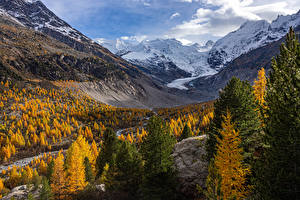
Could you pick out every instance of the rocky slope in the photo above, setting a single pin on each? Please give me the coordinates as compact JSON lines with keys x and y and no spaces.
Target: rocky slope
{"x":28,"y":51}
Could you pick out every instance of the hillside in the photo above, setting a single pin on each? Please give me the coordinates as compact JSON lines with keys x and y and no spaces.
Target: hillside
{"x":38,"y":56}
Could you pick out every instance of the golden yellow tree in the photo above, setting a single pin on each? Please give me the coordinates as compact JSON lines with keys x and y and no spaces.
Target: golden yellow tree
{"x":260,"y":87}
{"x":58,"y":178}
{"x":228,"y":162}
{"x":76,"y":171}
{"x":1,"y":187}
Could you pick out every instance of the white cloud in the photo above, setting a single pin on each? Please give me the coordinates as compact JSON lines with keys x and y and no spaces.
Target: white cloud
{"x":175,"y":15}
{"x":219,"y":17}
{"x":138,"y":38}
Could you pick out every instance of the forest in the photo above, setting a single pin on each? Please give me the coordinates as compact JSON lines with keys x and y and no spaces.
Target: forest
{"x":253,"y":145}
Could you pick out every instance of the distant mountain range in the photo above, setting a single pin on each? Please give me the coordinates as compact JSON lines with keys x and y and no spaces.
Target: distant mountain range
{"x":155,"y":57}
{"x":163,"y":59}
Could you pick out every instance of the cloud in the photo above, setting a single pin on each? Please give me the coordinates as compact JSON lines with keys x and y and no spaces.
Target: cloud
{"x":185,"y":20}
{"x":175,"y":15}
{"x":219,"y":17}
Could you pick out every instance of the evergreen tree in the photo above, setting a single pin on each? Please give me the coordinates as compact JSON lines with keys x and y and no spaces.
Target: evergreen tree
{"x":128,"y":170}
{"x":237,"y":98}
{"x":156,"y":149}
{"x":50,"y":170}
{"x":280,"y":168}
{"x":186,"y":133}
{"x":213,"y":183}
{"x":45,"y":193}
{"x":108,"y":151}
{"x":89,"y":176}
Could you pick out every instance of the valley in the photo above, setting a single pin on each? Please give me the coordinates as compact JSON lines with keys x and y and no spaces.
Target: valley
{"x":134,"y":118}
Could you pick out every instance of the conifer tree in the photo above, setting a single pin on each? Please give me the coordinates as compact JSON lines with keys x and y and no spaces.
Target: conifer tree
{"x":108,"y":151}
{"x":128,"y":170}
{"x":186,"y":133}
{"x":45,"y":193}
{"x":89,"y":176}
{"x":156,"y":150}
{"x":1,"y":187}
{"x":50,"y":170}
{"x":76,"y":170}
{"x":228,"y":162}
{"x":213,"y":183}
{"x":237,"y":98}
{"x":280,"y":168}
{"x":259,"y":88}
{"x":58,"y":179}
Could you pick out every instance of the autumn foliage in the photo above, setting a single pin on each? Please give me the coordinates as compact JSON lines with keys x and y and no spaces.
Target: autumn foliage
{"x":229,"y":163}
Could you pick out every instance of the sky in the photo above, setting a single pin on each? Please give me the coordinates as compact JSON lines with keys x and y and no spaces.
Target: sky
{"x":189,"y":21}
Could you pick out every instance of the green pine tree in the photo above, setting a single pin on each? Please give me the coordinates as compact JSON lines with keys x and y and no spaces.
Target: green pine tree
{"x":213,"y":183}
{"x":186,"y":133}
{"x":280,"y":174}
{"x":159,"y":175}
{"x":50,"y":170}
{"x":237,"y":98}
{"x":89,"y":176}
{"x":129,"y":166}
{"x":45,"y":192}
{"x":108,"y":151}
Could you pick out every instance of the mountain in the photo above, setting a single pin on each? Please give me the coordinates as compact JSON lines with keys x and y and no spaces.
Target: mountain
{"x":37,"y":45}
{"x":244,"y":67}
{"x":174,"y":64}
{"x":164,"y":59}
{"x":251,"y":35}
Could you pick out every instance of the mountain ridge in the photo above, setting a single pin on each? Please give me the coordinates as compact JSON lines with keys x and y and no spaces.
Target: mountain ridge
{"x":87,"y":61}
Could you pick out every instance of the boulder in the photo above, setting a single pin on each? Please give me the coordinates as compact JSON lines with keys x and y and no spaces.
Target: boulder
{"x":190,"y":163}
{"x":21,"y":192}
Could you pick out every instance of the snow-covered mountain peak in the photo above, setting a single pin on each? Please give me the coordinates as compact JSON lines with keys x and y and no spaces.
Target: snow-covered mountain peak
{"x":31,"y":1}
{"x":34,"y":14}
{"x":191,"y":59}
{"x":284,"y":22}
{"x":250,"y":35}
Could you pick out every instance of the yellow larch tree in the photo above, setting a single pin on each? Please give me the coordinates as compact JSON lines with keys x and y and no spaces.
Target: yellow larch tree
{"x":58,"y":178}
{"x":1,"y":187}
{"x":76,"y":170}
{"x":228,"y":161}
{"x":260,"y":87}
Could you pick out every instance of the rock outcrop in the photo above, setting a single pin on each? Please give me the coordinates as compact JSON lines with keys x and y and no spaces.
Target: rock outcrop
{"x":191,"y":165}
{"x":21,"y":192}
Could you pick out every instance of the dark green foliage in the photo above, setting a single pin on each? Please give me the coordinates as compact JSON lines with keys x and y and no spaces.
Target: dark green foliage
{"x":213,"y":183}
{"x":159,"y":175}
{"x":108,"y":151}
{"x":237,"y":98}
{"x":280,"y":166}
{"x":50,"y":169}
{"x":128,"y":171}
{"x":30,"y":196}
{"x":186,"y":133}
{"x":90,"y":192}
{"x":89,"y":177}
{"x":45,"y":192}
